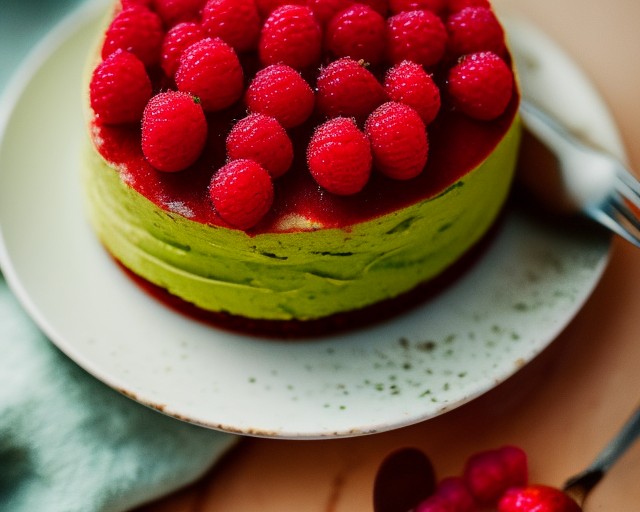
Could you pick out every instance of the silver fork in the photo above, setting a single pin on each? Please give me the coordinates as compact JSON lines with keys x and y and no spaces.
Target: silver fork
{"x":578,"y":178}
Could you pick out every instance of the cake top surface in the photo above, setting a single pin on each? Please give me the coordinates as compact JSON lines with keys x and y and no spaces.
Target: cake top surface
{"x":266,"y":116}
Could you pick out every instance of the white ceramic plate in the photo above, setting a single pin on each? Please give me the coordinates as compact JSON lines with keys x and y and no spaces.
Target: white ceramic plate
{"x":508,"y":308}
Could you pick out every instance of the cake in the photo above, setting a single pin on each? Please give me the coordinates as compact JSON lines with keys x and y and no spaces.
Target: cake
{"x":277,"y":164}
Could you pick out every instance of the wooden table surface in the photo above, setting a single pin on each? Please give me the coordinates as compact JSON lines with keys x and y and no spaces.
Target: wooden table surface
{"x":561,"y":408}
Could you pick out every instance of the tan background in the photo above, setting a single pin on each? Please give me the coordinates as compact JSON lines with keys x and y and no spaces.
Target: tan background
{"x":562,"y":408}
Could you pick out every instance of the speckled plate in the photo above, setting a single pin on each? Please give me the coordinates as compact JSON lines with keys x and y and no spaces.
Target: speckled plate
{"x":530,"y":283}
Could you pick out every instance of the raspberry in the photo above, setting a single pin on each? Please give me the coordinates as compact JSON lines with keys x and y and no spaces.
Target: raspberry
{"x":324,"y":10}
{"x":120,"y":89}
{"x":241,"y":193}
{"x":398,"y":141}
{"x":266,"y":7}
{"x":435,"y":503}
{"x":538,"y":498}
{"x":346,"y":88}
{"x":486,"y":476}
{"x":339,"y":157}
{"x":236,"y":22}
{"x":173,"y":12}
{"x":279,"y":91}
{"x":174,"y":131}
{"x":458,"y":5}
{"x":455,"y":491}
{"x":176,"y":41}
{"x":437,"y":6}
{"x":481,"y":85}
{"x":418,"y":36}
{"x":515,"y":461}
{"x":475,"y":29}
{"x":210,"y":69}
{"x":262,"y":139}
{"x":358,"y":32}
{"x":291,"y":35}
{"x":410,"y":84}
{"x":137,"y":30}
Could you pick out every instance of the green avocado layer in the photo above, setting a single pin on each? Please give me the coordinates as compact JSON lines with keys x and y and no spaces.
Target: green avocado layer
{"x":300,"y":275}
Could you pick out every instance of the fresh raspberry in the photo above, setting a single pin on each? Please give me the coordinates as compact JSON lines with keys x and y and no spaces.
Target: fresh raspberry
{"x":325,"y":10}
{"x":515,"y":461}
{"x":418,"y":36}
{"x":137,"y":30}
{"x":538,"y":498}
{"x":358,"y":32}
{"x":236,"y":22}
{"x":339,"y":157}
{"x":173,"y":12}
{"x":291,"y":35}
{"x":174,"y":131}
{"x":279,"y":91}
{"x":410,"y":84}
{"x":266,"y":7}
{"x":241,"y":193}
{"x":176,"y":41}
{"x":475,"y":29}
{"x":437,"y":6}
{"x":457,"y":5}
{"x":120,"y":89}
{"x":210,"y":70}
{"x":346,"y":88}
{"x":481,"y":85}
{"x":454,"y":490}
{"x":435,"y":503}
{"x":262,"y":139}
{"x":486,"y":476}
{"x":398,"y":139}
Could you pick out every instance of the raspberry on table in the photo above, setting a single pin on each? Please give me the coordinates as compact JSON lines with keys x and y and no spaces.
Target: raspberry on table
{"x":437,"y":6}
{"x":266,"y":7}
{"x":410,"y":84}
{"x":435,"y":503}
{"x":262,"y":139}
{"x":174,"y":131}
{"x":138,"y":30}
{"x":458,"y":5}
{"x":281,"y":92}
{"x":358,"y":32}
{"x":210,"y":70}
{"x":475,"y":29}
{"x":292,"y":36}
{"x":399,"y":141}
{"x":419,"y":36}
{"x":454,"y":490}
{"x":346,"y":88}
{"x":486,"y":476}
{"x":481,"y":85}
{"x":538,"y":498}
{"x":119,"y":89}
{"x":173,"y":12}
{"x":241,"y":193}
{"x":339,"y":157}
{"x":236,"y":22}
{"x":176,"y":41}
{"x":514,"y":459}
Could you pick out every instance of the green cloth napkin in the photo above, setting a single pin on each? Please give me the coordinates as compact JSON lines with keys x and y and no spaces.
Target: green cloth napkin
{"x":68,"y":443}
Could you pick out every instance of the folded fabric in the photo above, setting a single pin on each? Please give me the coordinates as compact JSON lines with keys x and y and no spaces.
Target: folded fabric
{"x":69,"y":443}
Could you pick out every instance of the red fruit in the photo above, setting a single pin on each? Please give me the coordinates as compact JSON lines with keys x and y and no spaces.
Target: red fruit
{"x":486,"y":476}
{"x":537,"y":498}
{"x":138,"y":30}
{"x":418,"y":36}
{"x":262,"y":139}
{"x":210,"y":70}
{"x":339,"y":157}
{"x":120,"y":89}
{"x":346,"y":88}
{"x":398,"y":140}
{"x":173,"y":12}
{"x":279,"y":91}
{"x":475,"y":29}
{"x":236,"y":22}
{"x":410,"y":84}
{"x":481,"y":85}
{"x":266,"y":7}
{"x":176,"y":41}
{"x":358,"y":32}
{"x":435,"y":503}
{"x":324,"y":10}
{"x":515,"y":461}
{"x":455,"y":491}
{"x":174,"y":131}
{"x":291,"y":35}
{"x":437,"y":6}
{"x":241,"y":193}
{"x":458,"y":5}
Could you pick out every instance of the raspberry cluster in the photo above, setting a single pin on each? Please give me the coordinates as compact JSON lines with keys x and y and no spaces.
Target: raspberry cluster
{"x":365,"y":77}
{"x":496,"y":480}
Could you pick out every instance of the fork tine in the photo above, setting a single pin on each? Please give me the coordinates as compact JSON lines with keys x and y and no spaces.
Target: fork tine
{"x":616,"y":215}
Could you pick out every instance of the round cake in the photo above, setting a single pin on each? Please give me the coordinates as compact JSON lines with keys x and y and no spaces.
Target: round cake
{"x":281,"y":163}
